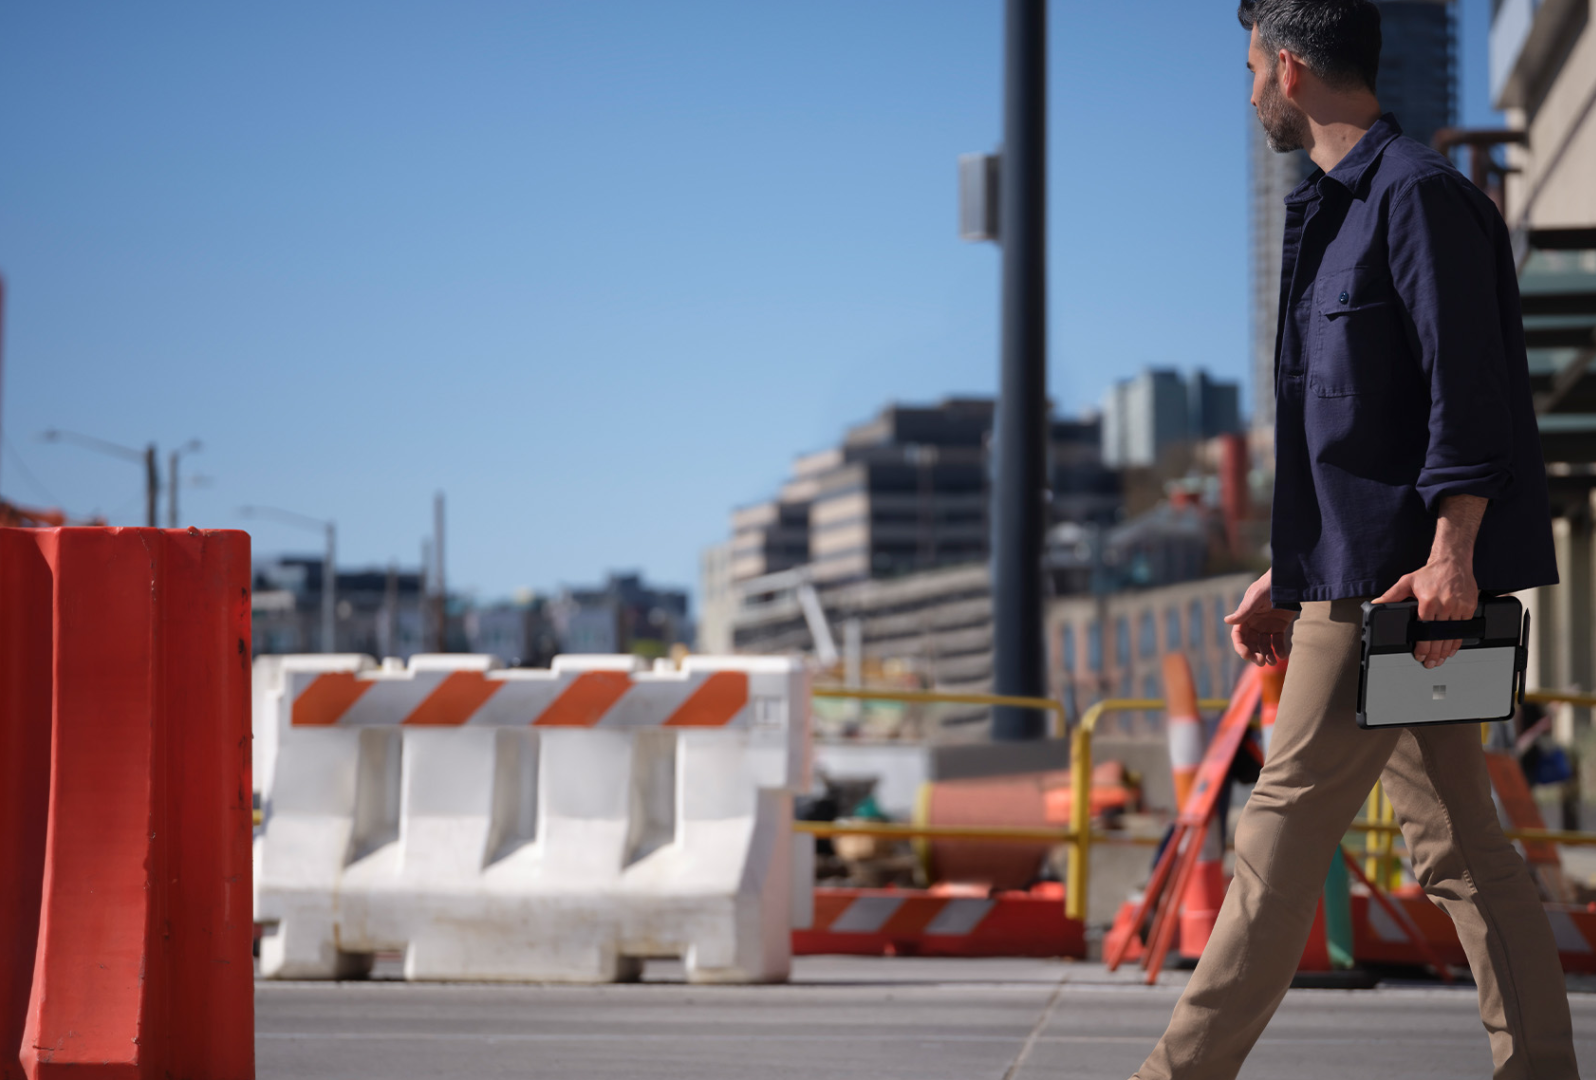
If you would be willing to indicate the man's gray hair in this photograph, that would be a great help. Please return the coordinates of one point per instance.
(1338, 40)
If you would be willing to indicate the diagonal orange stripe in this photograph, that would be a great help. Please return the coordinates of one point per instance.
(326, 699)
(913, 916)
(829, 907)
(713, 704)
(455, 699)
(586, 700)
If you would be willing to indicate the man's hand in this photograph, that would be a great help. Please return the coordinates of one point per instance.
(1260, 631)
(1444, 587)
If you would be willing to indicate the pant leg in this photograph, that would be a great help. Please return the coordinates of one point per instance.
(1441, 792)
(1320, 769)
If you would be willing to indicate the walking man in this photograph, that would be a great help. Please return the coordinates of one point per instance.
(1407, 465)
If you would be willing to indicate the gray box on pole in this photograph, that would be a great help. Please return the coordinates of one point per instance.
(979, 205)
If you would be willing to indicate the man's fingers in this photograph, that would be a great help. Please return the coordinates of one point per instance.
(1400, 591)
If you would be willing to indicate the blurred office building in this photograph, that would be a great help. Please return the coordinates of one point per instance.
(378, 612)
(519, 631)
(904, 493)
(390, 612)
(624, 615)
(1145, 415)
(1418, 82)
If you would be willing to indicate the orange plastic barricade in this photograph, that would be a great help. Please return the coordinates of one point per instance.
(124, 804)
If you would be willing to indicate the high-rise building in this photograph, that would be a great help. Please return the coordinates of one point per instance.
(906, 492)
(1418, 82)
(1153, 410)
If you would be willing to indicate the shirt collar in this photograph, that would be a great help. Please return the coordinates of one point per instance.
(1351, 170)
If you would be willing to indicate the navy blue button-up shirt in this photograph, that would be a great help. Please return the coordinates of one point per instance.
(1400, 379)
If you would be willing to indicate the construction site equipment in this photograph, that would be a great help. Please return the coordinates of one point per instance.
(521, 825)
(1079, 834)
(1040, 799)
(124, 804)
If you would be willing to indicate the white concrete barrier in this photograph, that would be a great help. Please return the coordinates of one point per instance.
(521, 825)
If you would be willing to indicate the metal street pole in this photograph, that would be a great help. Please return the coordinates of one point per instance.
(1020, 518)
(171, 479)
(152, 487)
(329, 589)
(152, 473)
(440, 597)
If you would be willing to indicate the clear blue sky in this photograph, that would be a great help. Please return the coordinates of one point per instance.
(598, 270)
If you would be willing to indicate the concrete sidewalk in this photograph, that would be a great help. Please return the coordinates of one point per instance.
(845, 1018)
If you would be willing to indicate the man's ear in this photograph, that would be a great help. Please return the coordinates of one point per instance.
(1290, 70)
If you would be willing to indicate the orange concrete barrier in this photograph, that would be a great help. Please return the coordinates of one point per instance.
(125, 816)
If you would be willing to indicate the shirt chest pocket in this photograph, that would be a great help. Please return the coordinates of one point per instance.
(1355, 333)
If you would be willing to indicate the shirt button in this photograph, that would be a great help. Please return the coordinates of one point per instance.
(1344, 298)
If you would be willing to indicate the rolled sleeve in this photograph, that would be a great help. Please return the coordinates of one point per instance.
(1441, 258)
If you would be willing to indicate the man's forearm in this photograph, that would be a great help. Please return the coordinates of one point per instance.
(1456, 527)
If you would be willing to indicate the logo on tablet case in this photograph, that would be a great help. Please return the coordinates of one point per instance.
(1438, 693)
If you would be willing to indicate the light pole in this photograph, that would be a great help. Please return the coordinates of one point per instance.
(329, 568)
(171, 478)
(1003, 197)
(152, 473)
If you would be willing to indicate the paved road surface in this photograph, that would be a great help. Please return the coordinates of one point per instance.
(871, 1019)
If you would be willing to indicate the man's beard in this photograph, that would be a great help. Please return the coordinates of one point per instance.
(1284, 124)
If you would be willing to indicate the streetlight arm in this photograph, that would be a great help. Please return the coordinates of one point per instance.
(89, 442)
(288, 517)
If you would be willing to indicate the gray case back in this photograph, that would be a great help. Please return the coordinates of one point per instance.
(1480, 683)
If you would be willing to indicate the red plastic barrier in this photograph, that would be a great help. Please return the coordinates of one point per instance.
(124, 755)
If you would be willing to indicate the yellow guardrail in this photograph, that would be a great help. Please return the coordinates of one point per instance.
(1079, 835)
(937, 697)
(1081, 789)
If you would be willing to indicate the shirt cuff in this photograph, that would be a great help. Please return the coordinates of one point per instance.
(1488, 481)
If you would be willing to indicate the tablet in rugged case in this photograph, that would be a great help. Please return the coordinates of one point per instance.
(1480, 682)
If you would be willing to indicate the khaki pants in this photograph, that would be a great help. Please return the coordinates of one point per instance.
(1320, 769)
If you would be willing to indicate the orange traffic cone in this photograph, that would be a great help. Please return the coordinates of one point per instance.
(1274, 677)
(1188, 742)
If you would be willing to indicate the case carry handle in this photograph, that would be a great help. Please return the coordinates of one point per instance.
(1446, 631)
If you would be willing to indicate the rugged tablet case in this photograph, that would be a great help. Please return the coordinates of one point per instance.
(1481, 682)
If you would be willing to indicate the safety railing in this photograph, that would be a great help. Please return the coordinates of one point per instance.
(1078, 836)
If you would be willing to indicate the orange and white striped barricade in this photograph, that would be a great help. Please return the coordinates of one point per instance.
(522, 825)
(956, 922)
(1380, 939)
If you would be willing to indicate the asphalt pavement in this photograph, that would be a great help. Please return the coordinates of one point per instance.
(846, 1018)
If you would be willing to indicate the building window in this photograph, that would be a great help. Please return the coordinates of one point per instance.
(1172, 629)
(1149, 635)
(1151, 718)
(1196, 622)
(1069, 648)
(1221, 628)
(1094, 646)
(1122, 651)
(1205, 684)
